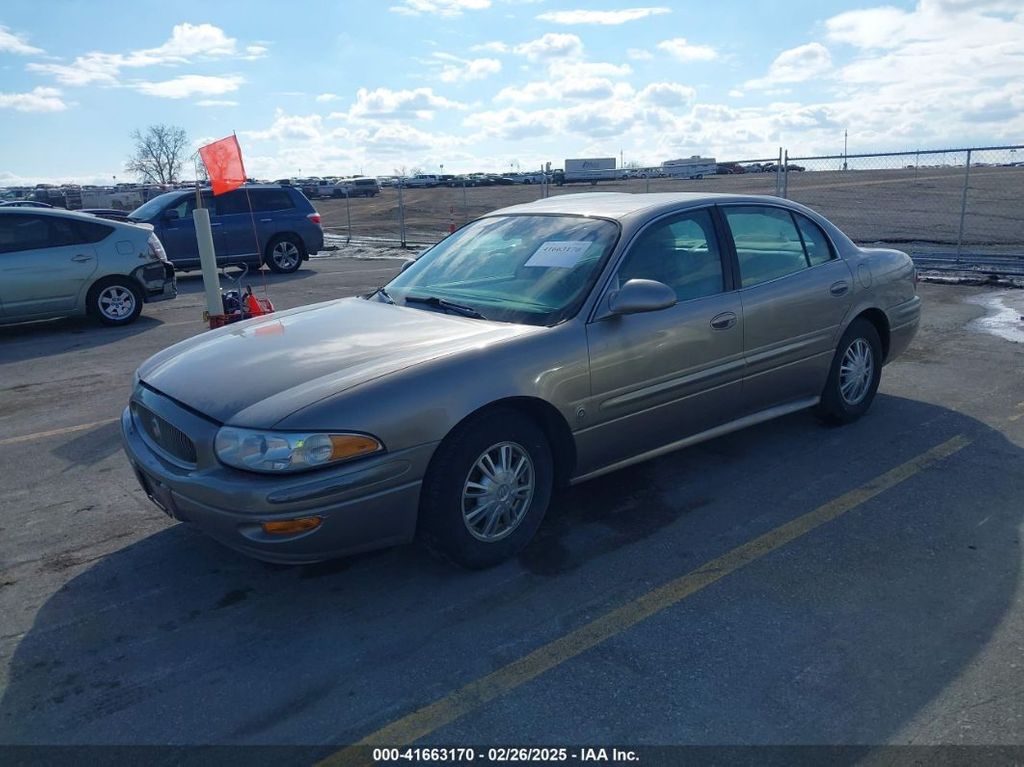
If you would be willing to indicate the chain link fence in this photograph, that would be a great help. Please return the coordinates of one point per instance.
(955, 205)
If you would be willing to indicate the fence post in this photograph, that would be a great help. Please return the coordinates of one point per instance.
(401, 214)
(778, 175)
(465, 203)
(785, 176)
(348, 212)
(648, 174)
(963, 207)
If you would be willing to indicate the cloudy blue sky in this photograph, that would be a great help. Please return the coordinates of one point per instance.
(365, 86)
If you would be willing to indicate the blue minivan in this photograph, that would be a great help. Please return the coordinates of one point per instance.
(251, 225)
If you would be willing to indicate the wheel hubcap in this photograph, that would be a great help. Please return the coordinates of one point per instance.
(286, 255)
(498, 491)
(116, 302)
(856, 372)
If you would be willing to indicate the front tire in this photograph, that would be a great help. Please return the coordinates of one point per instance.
(487, 489)
(285, 254)
(854, 376)
(115, 301)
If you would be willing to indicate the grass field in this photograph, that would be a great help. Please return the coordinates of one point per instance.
(915, 209)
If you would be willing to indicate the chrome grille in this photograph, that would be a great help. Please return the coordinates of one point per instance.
(164, 435)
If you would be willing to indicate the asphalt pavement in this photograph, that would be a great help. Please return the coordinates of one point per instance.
(788, 584)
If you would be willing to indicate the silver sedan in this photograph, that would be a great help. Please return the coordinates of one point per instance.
(540, 345)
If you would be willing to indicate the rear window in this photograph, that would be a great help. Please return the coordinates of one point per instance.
(271, 199)
(28, 232)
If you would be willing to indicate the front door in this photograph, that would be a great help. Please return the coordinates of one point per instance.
(661, 376)
(796, 293)
(45, 264)
(177, 231)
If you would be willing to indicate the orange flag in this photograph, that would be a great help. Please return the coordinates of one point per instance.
(223, 161)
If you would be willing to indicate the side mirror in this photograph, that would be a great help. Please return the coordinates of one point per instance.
(638, 296)
(171, 215)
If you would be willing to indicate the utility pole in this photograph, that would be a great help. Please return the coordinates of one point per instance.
(844, 148)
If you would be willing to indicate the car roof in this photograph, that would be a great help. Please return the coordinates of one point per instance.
(622, 205)
(63, 213)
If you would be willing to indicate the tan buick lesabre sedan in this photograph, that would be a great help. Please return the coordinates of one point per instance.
(542, 344)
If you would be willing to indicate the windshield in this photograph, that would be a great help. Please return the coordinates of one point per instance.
(533, 270)
(151, 209)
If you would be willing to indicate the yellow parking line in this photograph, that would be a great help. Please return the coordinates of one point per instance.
(55, 432)
(474, 695)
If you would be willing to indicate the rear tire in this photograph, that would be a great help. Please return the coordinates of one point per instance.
(854, 376)
(285, 254)
(487, 489)
(115, 301)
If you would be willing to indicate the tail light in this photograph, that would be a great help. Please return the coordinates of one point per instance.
(156, 249)
(314, 217)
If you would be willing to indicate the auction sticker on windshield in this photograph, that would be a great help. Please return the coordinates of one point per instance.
(563, 254)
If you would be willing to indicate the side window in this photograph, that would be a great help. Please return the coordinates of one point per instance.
(22, 232)
(264, 200)
(185, 206)
(232, 202)
(818, 248)
(63, 232)
(681, 252)
(90, 232)
(768, 245)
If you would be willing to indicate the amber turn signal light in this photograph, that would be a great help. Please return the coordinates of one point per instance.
(291, 526)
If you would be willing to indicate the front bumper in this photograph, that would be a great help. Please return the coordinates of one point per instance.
(369, 504)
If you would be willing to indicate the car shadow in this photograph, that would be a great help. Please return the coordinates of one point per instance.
(45, 338)
(174, 639)
(190, 283)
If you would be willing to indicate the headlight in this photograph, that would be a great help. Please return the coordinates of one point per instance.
(289, 451)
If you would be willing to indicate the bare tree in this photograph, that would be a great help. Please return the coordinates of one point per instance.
(416, 171)
(159, 154)
(401, 171)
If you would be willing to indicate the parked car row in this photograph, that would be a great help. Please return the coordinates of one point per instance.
(107, 264)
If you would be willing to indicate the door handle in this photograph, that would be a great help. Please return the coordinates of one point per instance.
(266, 220)
(723, 321)
(839, 288)
(215, 224)
(81, 258)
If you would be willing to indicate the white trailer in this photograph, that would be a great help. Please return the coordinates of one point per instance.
(592, 169)
(690, 167)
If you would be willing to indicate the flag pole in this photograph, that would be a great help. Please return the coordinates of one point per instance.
(207, 254)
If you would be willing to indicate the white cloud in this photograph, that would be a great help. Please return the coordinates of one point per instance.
(680, 49)
(584, 69)
(11, 42)
(669, 95)
(607, 18)
(639, 54)
(187, 43)
(216, 103)
(795, 65)
(553, 45)
(386, 104)
(442, 8)
(190, 85)
(325, 97)
(495, 46)
(36, 100)
(256, 51)
(456, 70)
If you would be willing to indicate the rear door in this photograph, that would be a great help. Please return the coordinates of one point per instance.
(45, 264)
(661, 376)
(275, 212)
(795, 293)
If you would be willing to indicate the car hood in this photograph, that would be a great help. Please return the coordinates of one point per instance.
(257, 372)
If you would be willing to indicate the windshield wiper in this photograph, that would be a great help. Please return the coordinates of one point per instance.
(441, 303)
(382, 291)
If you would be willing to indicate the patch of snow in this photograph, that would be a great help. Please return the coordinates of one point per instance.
(1002, 320)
